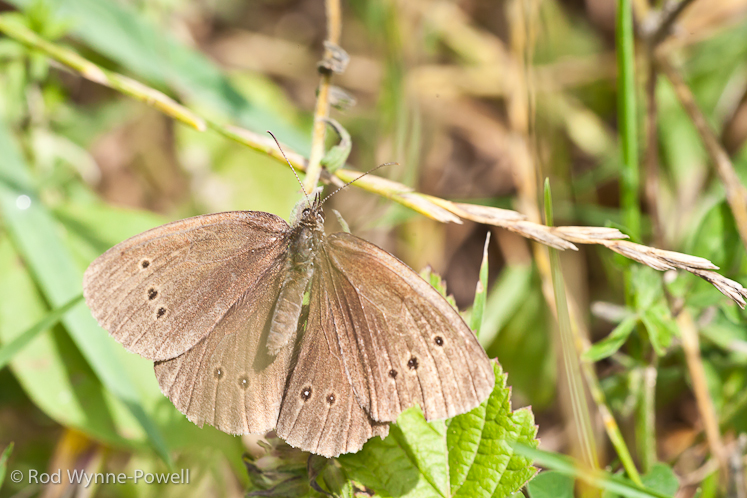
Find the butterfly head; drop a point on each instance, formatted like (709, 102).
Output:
(308, 212)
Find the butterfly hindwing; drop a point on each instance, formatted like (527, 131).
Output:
(401, 342)
(320, 413)
(228, 379)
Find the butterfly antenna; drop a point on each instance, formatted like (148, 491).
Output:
(292, 168)
(356, 179)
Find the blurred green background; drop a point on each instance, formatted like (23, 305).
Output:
(476, 101)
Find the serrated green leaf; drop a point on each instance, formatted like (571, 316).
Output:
(613, 342)
(411, 462)
(551, 484)
(4, 462)
(482, 462)
(478, 307)
(470, 455)
(437, 283)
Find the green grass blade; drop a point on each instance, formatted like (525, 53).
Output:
(9, 350)
(4, 462)
(117, 31)
(571, 364)
(478, 307)
(611, 483)
(34, 232)
(629, 181)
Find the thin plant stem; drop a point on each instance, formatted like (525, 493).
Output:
(666, 19)
(629, 179)
(646, 417)
(651, 159)
(435, 208)
(570, 358)
(321, 111)
(95, 73)
(691, 346)
(736, 194)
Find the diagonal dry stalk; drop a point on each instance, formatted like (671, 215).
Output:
(435, 208)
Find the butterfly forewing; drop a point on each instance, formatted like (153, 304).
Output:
(401, 342)
(320, 413)
(161, 292)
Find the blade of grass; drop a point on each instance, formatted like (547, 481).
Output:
(117, 31)
(614, 484)
(504, 300)
(571, 364)
(4, 462)
(478, 307)
(34, 232)
(629, 181)
(9, 350)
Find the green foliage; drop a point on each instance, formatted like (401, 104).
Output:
(470, 455)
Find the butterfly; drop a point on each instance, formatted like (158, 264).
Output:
(254, 324)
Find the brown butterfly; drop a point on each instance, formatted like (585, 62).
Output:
(218, 303)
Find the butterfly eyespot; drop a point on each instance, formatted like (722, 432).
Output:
(438, 340)
(243, 382)
(331, 399)
(144, 264)
(393, 374)
(412, 363)
(161, 311)
(305, 393)
(218, 373)
(152, 294)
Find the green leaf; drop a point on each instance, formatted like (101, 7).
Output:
(117, 31)
(4, 462)
(51, 370)
(599, 479)
(613, 342)
(9, 350)
(660, 326)
(480, 444)
(438, 283)
(336, 156)
(411, 462)
(661, 478)
(551, 484)
(470, 455)
(341, 221)
(478, 308)
(34, 232)
(508, 295)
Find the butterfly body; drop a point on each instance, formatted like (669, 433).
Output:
(216, 301)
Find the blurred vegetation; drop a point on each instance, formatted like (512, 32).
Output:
(477, 101)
